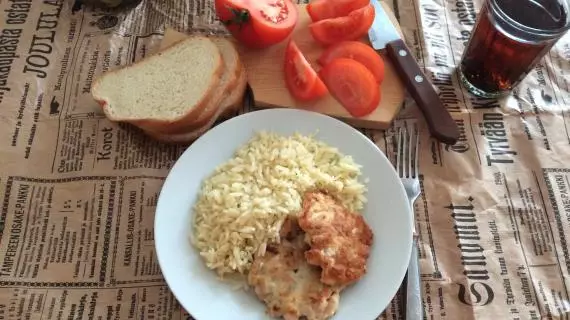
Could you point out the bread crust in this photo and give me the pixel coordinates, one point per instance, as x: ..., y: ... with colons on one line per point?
x: 234, y: 101
x: 228, y: 107
x: 172, y: 125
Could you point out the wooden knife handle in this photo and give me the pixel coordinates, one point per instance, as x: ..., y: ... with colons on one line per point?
x: 440, y: 123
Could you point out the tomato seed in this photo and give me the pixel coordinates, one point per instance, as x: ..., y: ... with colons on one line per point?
x: 275, y: 12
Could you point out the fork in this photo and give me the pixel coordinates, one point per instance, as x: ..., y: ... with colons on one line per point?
x: 407, y: 168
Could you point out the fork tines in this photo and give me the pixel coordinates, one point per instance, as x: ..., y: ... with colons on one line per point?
x: 407, y: 152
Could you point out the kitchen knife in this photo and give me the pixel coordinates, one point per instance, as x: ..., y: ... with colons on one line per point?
x: 383, y: 34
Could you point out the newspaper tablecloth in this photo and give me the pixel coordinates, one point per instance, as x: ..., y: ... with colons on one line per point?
x: 79, y: 192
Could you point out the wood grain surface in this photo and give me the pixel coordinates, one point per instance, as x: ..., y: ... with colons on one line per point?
x: 267, y: 81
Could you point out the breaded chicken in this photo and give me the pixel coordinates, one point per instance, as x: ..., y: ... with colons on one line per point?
x: 288, y: 285
x: 339, y: 239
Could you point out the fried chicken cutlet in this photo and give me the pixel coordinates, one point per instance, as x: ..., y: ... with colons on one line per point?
x: 339, y: 239
x: 288, y: 285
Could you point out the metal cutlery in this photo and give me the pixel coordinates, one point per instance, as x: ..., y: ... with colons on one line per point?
x: 407, y: 168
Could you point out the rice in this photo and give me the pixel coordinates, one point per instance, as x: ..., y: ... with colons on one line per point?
x: 241, y: 206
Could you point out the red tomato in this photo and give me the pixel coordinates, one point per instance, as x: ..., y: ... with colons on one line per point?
x: 353, y: 85
x: 351, y: 27
x: 302, y: 81
x: 258, y: 23
x: 326, y: 9
x: 356, y: 51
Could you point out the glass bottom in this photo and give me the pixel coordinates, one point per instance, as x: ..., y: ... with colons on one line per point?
x: 478, y: 92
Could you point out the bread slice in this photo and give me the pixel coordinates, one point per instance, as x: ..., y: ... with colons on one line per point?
x: 164, y: 92
x: 229, y: 106
x: 227, y: 99
x: 228, y: 81
x: 234, y: 69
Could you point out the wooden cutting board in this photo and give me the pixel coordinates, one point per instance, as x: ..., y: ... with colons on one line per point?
x: 265, y: 76
x: 266, y: 79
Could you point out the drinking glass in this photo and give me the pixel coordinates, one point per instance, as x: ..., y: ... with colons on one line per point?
x: 509, y: 38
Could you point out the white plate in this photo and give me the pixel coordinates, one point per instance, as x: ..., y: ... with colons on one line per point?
x: 387, y: 212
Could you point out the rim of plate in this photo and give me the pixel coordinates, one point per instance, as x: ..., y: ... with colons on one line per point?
x: 201, y: 140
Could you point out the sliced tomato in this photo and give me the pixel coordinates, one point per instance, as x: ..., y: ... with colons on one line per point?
x: 258, y: 23
x: 358, y: 51
x: 325, y: 9
x: 353, y: 85
x: 302, y: 81
x: 351, y: 27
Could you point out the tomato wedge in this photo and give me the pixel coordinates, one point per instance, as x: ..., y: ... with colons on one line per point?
x: 302, y: 81
x: 353, y: 85
x: 358, y: 51
x: 258, y: 23
x: 351, y: 27
x: 325, y: 9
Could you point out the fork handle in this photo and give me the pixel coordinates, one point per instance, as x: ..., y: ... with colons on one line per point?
x: 414, y: 308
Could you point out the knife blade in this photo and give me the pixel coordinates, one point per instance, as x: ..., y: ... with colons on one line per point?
x: 383, y: 35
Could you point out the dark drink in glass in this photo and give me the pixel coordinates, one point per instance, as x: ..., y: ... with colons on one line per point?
x: 509, y: 38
